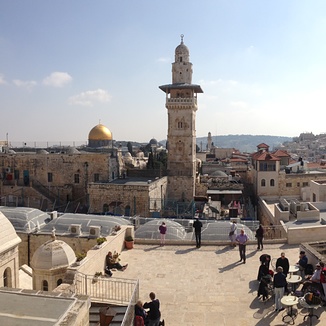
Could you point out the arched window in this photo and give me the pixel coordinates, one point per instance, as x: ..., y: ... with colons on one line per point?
x: 59, y: 281
x: 263, y: 183
x: 7, y: 282
x: 45, y: 285
x: 272, y: 183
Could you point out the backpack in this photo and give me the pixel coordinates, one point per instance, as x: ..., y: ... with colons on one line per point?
x: 309, y: 270
x: 139, y: 321
x: 312, y: 299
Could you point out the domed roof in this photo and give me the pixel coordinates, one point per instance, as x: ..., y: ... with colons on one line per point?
x: 8, y: 236
x: 181, y: 49
x: 218, y: 173
x: 73, y: 150
x: 100, y: 132
x: 153, y: 141
x: 53, y: 254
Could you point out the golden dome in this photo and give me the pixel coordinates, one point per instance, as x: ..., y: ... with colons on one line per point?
x: 100, y: 132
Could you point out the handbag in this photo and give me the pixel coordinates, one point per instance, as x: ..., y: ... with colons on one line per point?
x: 231, y: 233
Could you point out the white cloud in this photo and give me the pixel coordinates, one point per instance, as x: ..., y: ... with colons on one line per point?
x: 2, y: 80
x: 28, y: 84
x: 89, y: 98
x: 57, y: 79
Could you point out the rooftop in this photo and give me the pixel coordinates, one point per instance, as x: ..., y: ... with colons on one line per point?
x: 207, y: 286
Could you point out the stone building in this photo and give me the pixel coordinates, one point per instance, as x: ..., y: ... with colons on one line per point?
x: 50, y: 263
x: 9, y: 258
x: 181, y: 103
x: 58, y: 178
x: 129, y: 196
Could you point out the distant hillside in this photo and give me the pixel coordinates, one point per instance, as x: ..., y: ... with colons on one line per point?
x: 244, y: 143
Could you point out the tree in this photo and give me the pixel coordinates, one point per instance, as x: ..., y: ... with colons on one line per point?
x: 129, y: 145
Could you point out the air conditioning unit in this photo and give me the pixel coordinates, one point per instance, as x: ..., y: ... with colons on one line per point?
x: 75, y: 229
x: 53, y: 215
x: 94, y: 231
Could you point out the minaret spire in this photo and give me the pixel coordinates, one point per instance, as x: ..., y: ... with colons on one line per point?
x: 181, y: 38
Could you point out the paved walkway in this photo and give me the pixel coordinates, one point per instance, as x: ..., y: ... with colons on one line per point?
x: 207, y: 286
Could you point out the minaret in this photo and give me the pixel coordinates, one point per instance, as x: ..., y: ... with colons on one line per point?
x: 181, y: 103
x: 209, y: 142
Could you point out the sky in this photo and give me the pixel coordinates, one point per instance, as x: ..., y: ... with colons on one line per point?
x: 66, y: 66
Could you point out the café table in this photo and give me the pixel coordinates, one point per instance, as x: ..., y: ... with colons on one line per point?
x: 293, y: 280
x: 293, y: 269
x: 289, y: 301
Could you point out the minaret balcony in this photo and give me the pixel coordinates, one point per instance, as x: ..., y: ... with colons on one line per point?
x: 181, y: 100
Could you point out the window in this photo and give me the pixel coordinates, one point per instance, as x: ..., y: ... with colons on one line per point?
x: 263, y: 183
x: 96, y: 177
x: 16, y: 174
x: 59, y: 281
x: 305, y: 184
x: 179, y: 125
x: 288, y: 185
x: 267, y: 166
x: 45, y: 286
x: 298, y: 184
x: 272, y: 183
x: 76, y: 178
x: 7, y: 277
x: 50, y: 177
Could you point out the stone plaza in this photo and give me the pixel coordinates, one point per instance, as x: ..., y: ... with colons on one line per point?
x: 208, y: 286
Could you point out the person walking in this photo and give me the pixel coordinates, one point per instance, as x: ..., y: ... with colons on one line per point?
x: 162, y: 230
x: 154, y: 313
x: 233, y: 233
x: 242, y: 239
x: 279, y: 283
x: 197, y: 226
x: 259, y: 236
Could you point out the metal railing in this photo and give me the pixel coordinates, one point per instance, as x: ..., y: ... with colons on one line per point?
x: 217, y: 231
x: 111, y: 290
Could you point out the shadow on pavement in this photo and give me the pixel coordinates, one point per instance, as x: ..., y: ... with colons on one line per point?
x: 185, y: 251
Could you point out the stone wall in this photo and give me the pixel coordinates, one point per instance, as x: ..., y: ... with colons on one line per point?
x: 95, y: 259
x: 298, y: 235
x: 70, y: 174
x: 142, y: 199
x: 9, y: 259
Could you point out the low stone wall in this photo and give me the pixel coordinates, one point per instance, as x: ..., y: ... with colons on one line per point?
x: 306, y: 234
x: 314, y: 252
x: 95, y: 259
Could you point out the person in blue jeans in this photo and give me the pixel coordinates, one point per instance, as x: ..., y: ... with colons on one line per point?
x: 154, y: 313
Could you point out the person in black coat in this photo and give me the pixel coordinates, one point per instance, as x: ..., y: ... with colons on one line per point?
x: 197, y: 226
x: 284, y: 263
x: 154, y: 313
x: 259, y: 236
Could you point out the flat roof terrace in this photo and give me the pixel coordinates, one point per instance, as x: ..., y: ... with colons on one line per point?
x: 208, y: 286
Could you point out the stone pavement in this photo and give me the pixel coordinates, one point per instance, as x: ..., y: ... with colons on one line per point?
x: 208, y: 286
